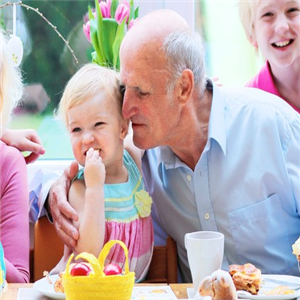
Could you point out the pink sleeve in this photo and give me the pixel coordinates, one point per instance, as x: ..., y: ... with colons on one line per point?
x: 14, y: 214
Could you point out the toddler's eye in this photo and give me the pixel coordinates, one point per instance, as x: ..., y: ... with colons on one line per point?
x: 99, y: 124
x: 76, y: 129
x: 293, y: 9
x: 268, y: 14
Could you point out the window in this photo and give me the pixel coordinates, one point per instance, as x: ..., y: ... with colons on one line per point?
x: 48, y: 63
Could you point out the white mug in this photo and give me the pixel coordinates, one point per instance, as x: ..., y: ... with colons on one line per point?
x: 205, y: 253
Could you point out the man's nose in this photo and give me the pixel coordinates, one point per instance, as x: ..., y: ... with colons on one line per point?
x: 129, y: 108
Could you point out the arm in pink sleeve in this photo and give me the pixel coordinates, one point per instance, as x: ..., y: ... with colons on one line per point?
x: 14, y: 214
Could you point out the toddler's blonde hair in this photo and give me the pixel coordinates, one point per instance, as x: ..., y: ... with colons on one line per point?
x: 88, y: 81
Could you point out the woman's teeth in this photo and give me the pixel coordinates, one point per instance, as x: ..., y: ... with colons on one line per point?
x: 282, y: 44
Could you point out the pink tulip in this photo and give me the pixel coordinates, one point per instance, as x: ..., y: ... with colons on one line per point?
x: 85, y: 17
x: 105, y: 8
x: 87, y: 30
x: 132, y: 22
x: 108, y: 3
x: 122, y: 12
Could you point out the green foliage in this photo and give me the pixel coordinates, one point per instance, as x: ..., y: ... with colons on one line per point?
x: 45, y: 63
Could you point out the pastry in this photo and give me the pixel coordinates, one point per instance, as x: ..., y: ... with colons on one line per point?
x: 219, y: 286
x: 58, y: 285
x: 296, y: 249
x: 246, y: 277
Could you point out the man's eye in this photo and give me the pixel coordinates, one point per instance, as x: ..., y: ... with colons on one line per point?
x: 142, y: 94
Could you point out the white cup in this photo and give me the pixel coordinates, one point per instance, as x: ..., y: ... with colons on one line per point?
x: 205, y: 253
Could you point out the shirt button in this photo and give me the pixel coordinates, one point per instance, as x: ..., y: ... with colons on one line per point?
x: 206, y: 216
x: 188, y: 177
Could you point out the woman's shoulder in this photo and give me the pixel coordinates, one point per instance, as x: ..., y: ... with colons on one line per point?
x: 10, y: 153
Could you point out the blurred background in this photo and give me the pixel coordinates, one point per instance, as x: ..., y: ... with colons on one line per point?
x: 48, y: 64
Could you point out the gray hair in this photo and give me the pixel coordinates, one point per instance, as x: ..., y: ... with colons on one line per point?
x: 184, y: 50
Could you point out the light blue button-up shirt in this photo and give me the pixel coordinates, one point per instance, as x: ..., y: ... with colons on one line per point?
x: 246, y: 183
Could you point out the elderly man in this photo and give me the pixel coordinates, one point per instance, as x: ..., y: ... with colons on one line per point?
x: 216, y: 159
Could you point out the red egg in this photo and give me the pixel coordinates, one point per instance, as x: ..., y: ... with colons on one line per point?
x: 80, y: 269
x: 112, y: 269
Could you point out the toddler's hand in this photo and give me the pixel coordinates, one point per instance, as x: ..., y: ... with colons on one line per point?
x: 94, y: 171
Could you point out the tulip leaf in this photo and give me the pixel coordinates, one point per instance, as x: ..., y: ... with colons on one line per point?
x: 113, y: 8
x: 100, y: 52
x: 91, y: 15
x: 136, y: 12
x: 110, y: 27
x: 117, y: 43
x: 96, y: 58
x: 94, y: 38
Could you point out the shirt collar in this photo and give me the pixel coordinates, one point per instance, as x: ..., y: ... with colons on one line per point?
x: 216, y: 130
x: 265, y: 80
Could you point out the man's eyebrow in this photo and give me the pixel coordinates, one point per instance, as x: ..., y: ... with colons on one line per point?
x: 124, y: 87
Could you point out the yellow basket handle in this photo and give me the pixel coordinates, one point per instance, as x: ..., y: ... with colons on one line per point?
x: 68, y: 264
x: 89, y: 258
x: 106, y: 250
x: 98, y: 264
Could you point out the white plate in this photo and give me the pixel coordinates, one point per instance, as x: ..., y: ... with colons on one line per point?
x: 267, y: 286
x: 47, y: 289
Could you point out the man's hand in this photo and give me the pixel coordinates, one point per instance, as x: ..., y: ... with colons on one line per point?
x: 25, y: 140
x: 62, y: 212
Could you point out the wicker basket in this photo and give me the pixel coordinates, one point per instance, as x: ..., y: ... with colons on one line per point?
x: 97, y: 285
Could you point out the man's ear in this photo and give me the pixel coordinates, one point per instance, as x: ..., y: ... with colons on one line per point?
x: 186, y: 85
x: 124, y: 128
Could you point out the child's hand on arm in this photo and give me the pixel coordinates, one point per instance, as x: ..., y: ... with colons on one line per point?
x: 25, y: 140
x: 92, y: 219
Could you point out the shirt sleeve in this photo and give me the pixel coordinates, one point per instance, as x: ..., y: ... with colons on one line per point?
x: 39, y: 188
x: 292, y: 150
x: 14, y: 217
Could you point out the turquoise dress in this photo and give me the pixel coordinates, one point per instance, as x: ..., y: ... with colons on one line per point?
x: 128, y: 219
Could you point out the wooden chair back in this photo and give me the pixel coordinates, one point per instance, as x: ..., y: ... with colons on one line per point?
x: 48, y: 250
x: 163, y: 267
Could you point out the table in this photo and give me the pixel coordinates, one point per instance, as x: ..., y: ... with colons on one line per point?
x: 11, y: 291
